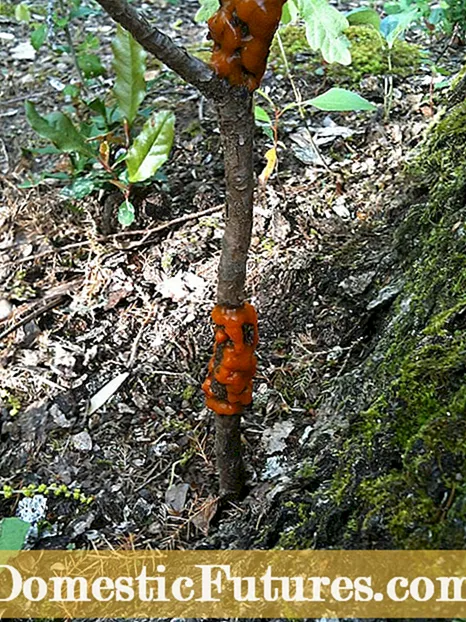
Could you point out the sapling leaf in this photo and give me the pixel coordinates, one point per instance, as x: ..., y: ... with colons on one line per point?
x: 393, y: 26
x: 79, y: 189
x: 129, y: 64
x: 365, y: 16
x: 59, y: 129
x: 13, y: 532
x: 150, y: 150
x: 38, y: 36
x: 290, y: 12
x: 340, y: 100
x: 206, y: 10
x: 262, y: 115
x: 126, y: 213
x: 325, y: 28
x: 22, y: 13
x: 90, y: 65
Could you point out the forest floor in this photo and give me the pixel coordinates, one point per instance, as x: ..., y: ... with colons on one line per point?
x: 84, y: 302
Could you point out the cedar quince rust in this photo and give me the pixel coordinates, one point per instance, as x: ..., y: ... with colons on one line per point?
x: 242, y: 31
x: 228, y: 386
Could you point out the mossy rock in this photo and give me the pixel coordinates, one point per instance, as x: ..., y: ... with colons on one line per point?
x: 389, y: 463
x: 369, y: 53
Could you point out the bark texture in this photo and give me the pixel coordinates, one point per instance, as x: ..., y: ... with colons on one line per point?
x: 228, y: 453
x: 236, y: 121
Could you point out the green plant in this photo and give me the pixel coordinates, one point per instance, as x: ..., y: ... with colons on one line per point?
x: 13, y: 533
x: 56, y: 30
x: 103, y: 149
x: 390, y: 29
x: 57, y: 490
x: 448, y: 15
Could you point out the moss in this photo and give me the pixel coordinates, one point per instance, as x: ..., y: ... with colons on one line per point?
x: 294, y: 42
x: 369, y: 53
x: 397, y: 475
x: 441, y: 165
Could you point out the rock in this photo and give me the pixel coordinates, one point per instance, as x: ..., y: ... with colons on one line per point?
x: 82, y: 441
x: 59, y: 418
x: 32, y: 509
x: 385, y: 295
x: 355, y: 285
x: 81, y: 524
x: 33, y: 422
x: 274, y: 439
x: 176, y: 495
x: 6, y: 309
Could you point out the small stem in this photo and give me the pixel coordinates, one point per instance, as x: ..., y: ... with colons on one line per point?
x: 298, y: 100
x: 72, y: 50
x: 389, y: 91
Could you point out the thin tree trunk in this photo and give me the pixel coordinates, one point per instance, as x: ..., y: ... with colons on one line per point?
x: 236, y: 120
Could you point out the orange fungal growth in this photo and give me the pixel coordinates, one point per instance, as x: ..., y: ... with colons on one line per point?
x: 242, y: 32
x: 228, y: 386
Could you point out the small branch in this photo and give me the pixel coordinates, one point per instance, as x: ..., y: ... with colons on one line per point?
x: 120, y: 234
x: 33, y: 315
x: 191, y: 69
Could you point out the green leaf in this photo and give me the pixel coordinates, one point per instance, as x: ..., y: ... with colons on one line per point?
x: 393, y: 26
x: 126, y: 213
x: 364, y: 15
x: 90, y: 65
x: 38, y: 36
x: 129, y: 63
x: 59, y: 129
x: 22, y: 13
x: 262, y: 115
x: 290, y: 12
x: 340, y: 100
x: 79, y: 189
x: 206, y: 10
x: 151, y: 148
x: 13, y: 532
x: 325, y: 28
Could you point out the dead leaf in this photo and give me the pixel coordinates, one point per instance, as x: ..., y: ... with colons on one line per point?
x: 204, y: 516
x: 271, y: 157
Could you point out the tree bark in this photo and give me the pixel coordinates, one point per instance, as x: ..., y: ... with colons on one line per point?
x: 236, y: 120
x: 228, y: 454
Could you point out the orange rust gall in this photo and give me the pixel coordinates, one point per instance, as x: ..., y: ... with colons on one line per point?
x: 242, y: 32
x: 228, y: 386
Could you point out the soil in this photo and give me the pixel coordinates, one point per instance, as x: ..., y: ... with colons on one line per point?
x: 138, y: 303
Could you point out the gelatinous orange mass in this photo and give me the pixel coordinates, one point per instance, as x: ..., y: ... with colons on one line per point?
x: 233, y: 364
x: 242, y: 32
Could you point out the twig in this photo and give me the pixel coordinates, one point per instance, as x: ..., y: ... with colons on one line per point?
x: 121, y: 234
x: 134, y: 347
x: 33, y: 315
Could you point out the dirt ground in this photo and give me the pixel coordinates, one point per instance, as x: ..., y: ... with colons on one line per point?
x: 84, y: 302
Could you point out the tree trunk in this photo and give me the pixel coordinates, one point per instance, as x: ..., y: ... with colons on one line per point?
x: 236, y: 120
